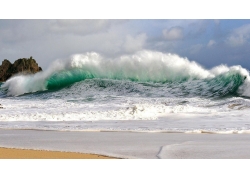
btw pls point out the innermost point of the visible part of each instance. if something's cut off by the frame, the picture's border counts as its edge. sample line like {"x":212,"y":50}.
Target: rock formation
{"x":24,"y":66}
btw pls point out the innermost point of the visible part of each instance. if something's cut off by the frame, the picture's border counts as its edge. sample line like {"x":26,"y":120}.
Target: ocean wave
{"x":176,"y":74}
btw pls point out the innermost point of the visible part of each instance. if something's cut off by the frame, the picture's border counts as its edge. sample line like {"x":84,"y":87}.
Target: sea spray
{"x":147,"y":91}
{"x":143,"y":66}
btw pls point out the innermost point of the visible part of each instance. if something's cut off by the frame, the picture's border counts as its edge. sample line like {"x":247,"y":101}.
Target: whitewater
{"x":147,"y":91}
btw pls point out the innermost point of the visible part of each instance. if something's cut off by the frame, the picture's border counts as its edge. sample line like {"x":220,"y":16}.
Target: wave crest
{"x":143,"y":66}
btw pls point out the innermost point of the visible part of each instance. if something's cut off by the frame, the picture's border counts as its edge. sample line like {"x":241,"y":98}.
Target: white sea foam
{"x":143,"y":66}
{"x":129,"y":93}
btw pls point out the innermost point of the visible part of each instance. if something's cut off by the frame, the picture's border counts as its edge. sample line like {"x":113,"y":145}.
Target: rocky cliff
{"x":24,"y":66}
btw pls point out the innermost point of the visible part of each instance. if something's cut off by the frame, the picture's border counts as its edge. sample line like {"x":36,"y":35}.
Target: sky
{"x":208,"y":42}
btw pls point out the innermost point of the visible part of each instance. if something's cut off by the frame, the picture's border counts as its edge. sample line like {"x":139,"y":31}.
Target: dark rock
{"x":24,"y":66}
{"x":5,"y":70}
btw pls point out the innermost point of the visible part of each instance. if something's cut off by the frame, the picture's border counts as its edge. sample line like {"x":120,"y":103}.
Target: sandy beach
{"x":131,"y":145}
{"x":12,"y":153}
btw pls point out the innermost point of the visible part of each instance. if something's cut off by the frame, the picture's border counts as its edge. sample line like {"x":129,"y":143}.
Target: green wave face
{"x":177,"y":75}
{"x":66,"y":77}
{"x":221,"y":85}
{"x":225,"y":84}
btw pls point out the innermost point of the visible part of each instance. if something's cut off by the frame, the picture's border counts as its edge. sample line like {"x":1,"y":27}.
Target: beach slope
{"x":129,"y":144}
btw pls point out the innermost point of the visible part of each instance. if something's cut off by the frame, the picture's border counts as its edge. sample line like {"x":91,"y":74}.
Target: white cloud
{"x":47,"y":40}
{"x":172,"y":34}
{"x":16,"y":31}
{"x":239,"y":36}
{"x":80,"y":26}
{"x":211,"y":43}
{"x":133,"y":44}
{"x":25,"y":30}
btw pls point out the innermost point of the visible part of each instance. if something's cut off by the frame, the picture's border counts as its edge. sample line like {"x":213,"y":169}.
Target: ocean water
{"x":148,"y":91}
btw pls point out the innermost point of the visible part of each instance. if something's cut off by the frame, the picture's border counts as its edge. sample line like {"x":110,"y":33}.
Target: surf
{"x":142,"y":67}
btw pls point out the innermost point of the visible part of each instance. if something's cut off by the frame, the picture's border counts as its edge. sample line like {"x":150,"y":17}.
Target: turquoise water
{"x":149,"y":91}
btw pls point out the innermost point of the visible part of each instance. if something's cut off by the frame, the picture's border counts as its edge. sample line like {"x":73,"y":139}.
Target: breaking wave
{"x":168,"y":72}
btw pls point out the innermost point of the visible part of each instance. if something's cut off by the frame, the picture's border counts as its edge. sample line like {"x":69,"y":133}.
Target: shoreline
{"x":128,"y":145}
{"x":18,"y":153}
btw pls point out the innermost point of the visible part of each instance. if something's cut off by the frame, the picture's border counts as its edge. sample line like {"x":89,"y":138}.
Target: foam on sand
{"x":133,"y":145}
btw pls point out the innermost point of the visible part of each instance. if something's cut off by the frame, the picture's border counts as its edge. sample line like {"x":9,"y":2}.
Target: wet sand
{"x":12,"y":153}
{"x":131,"y":145}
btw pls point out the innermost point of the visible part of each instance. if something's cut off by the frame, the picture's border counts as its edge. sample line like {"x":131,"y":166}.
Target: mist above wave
{"x":143,"y":66}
